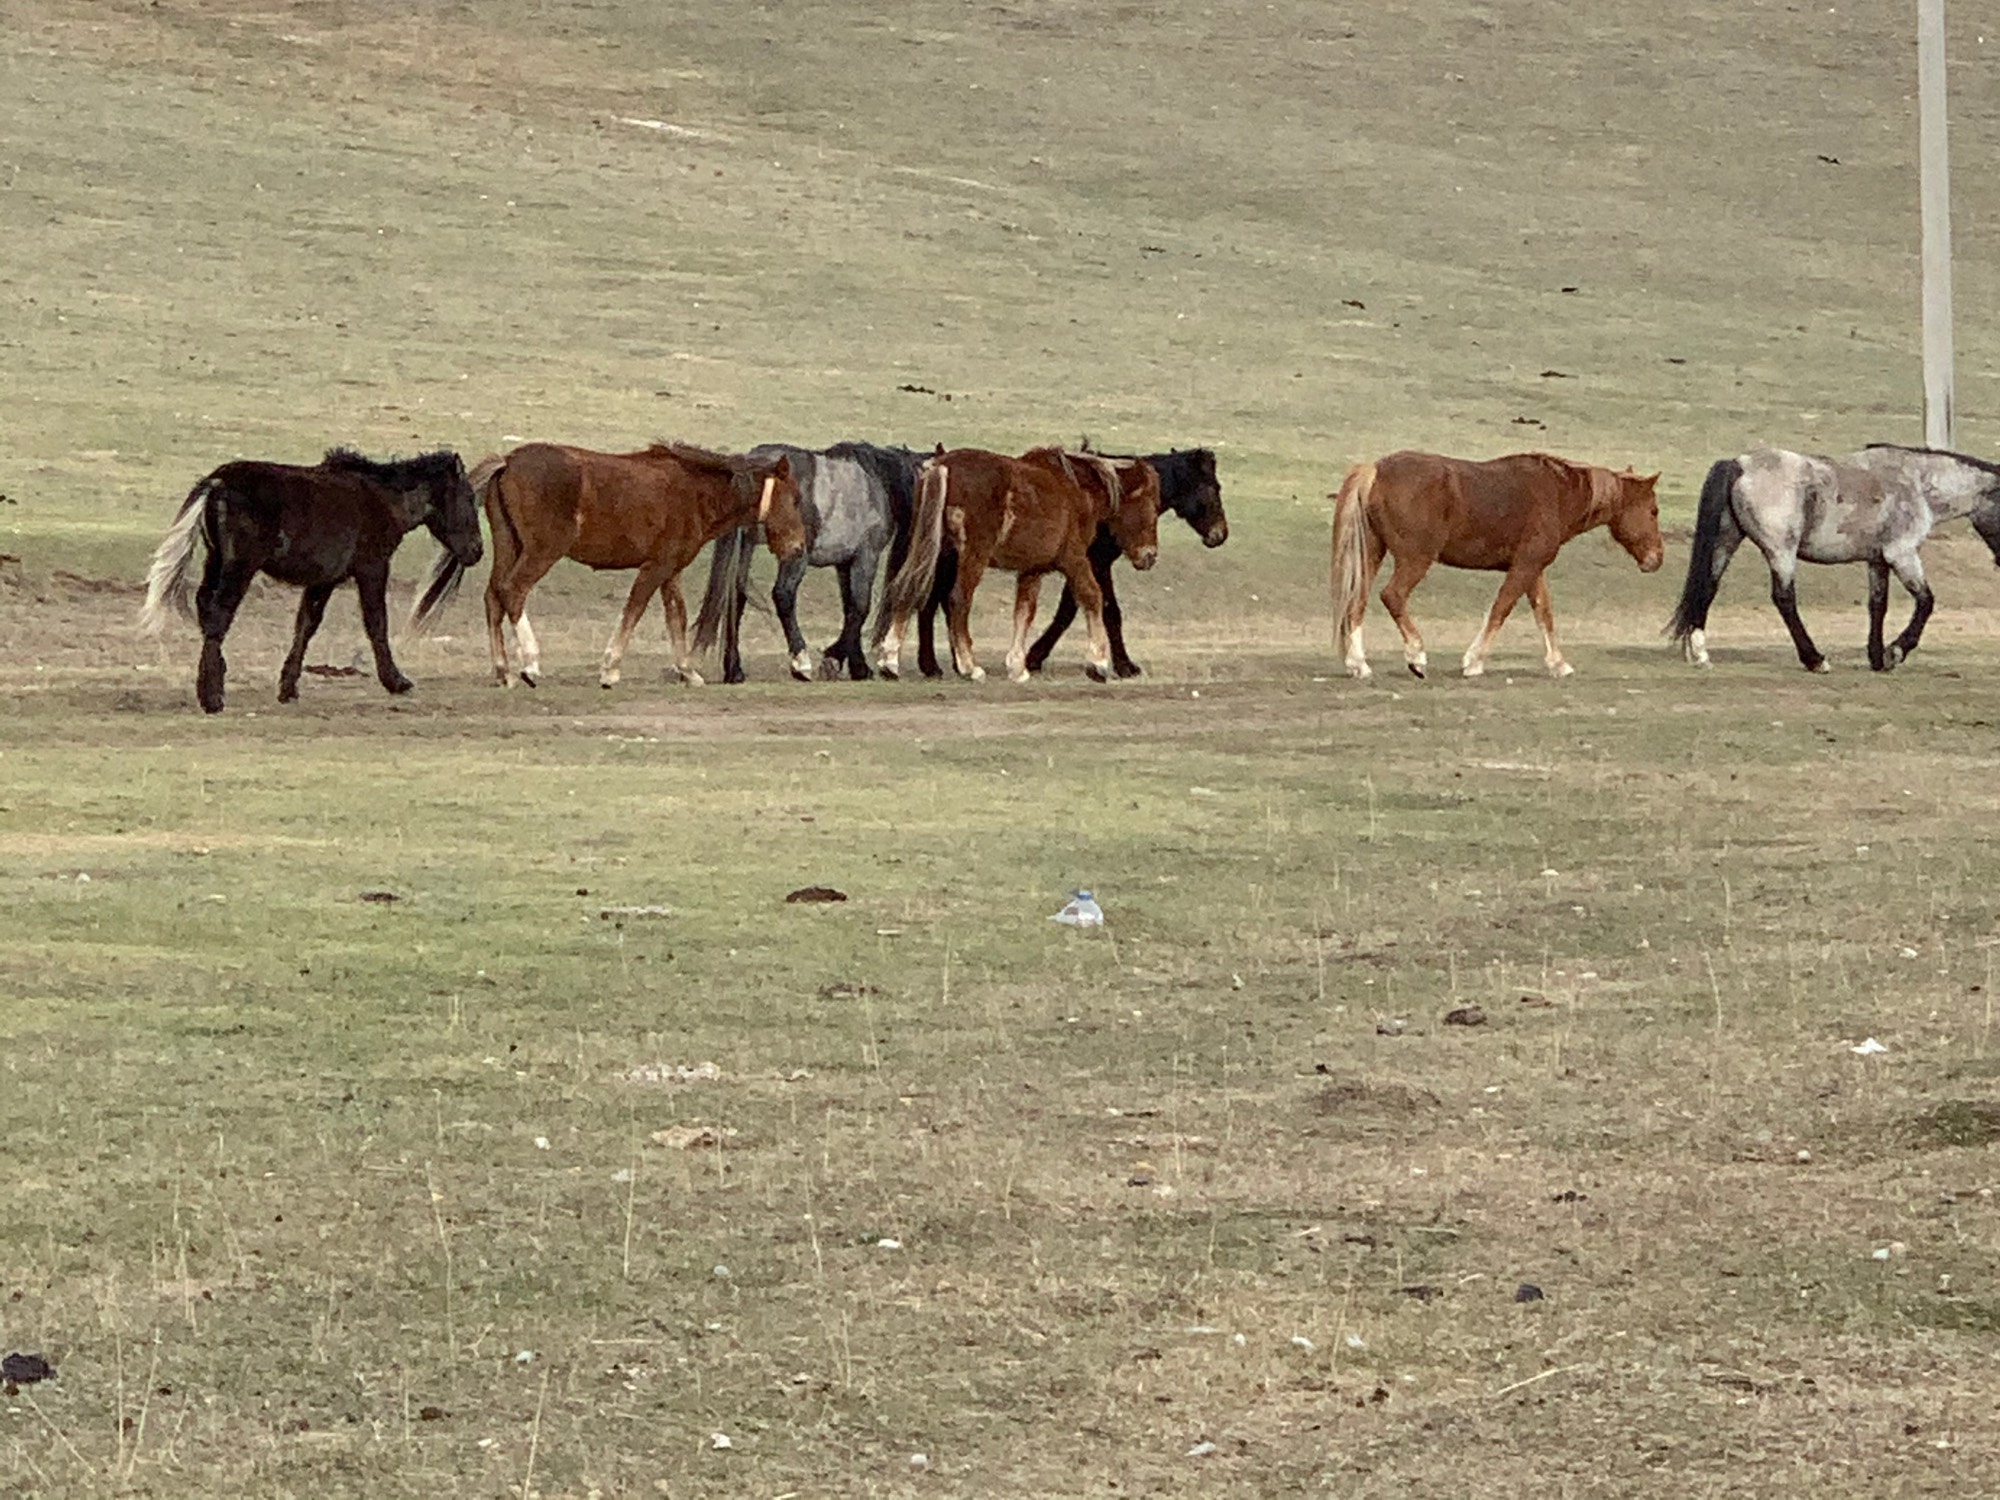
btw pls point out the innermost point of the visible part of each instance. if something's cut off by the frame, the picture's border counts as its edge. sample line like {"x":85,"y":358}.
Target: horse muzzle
{"x":1650,"y":563}
{"x":469,"y":555}
{"x":1145,"y":557}
{"x":1216,"y":535}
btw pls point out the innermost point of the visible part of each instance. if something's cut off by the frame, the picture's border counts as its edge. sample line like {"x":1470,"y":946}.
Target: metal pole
{"x":1935,"y":191}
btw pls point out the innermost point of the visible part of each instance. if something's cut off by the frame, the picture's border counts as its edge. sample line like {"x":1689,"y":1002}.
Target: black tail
{"x":728,"y":587}
{"x":440,"y":587}
{"x":1691,"y":614}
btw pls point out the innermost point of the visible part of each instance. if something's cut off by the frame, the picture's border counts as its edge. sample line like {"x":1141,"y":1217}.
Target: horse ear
{"x":783,"y":468}
{"x":1652,"y":479}
{"x":940,"y":451}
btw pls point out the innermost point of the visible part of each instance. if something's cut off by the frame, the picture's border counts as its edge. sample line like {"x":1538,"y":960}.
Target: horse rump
{"x":1698,"y":593}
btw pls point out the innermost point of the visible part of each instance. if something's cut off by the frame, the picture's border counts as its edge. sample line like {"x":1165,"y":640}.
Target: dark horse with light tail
{"x":856,"y":500}
{"x":1188,"y":488}
{"x":315,"y":526}
{"x":1876,"y":506}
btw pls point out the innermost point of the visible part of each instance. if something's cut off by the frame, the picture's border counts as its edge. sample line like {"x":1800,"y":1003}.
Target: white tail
{"x":170,"y":577}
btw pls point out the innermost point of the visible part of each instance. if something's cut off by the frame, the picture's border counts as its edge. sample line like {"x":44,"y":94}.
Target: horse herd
{"x":942,"y":519}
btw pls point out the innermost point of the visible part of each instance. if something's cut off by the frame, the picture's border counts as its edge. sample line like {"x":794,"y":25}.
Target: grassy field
{"x":439,"y":1096}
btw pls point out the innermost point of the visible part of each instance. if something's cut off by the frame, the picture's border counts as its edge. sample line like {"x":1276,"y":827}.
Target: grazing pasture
{"x":438,"y":1095}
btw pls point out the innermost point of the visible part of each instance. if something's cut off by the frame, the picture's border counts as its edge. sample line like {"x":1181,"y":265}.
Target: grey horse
{"x":856,"y":499}
{"x":1876,"y":506}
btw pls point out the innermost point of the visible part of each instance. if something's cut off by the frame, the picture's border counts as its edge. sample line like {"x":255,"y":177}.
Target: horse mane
{"x":394,"y":471}
{"x":1964,"y":458}
{"x":744,"y":472}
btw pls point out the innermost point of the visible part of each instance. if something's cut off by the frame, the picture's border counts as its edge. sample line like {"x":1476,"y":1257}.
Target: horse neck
{"x":1953,"y":489}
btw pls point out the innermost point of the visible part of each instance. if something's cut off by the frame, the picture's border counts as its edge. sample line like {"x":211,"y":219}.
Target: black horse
{"x":1188,"y":488}
{"x":316,"y":527}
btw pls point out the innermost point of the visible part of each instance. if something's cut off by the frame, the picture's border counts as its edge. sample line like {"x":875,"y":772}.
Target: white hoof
{"x":887,"y":667}
{"x":1360,"y":671}
{"x":802,"y":665}
{"x":1560,"y":670}
{"x":977,"y":674}
{"x":1824,"y":666}
{"x":693,"y":678}
{"x":608,"y":679}
{"x":1475,"y":669}
{"x":532,"y":676}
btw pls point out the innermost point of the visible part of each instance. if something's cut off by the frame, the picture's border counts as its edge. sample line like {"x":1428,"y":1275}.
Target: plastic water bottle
{"x":1081,"y":910}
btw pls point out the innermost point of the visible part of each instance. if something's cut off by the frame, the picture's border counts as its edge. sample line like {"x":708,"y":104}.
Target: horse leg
{"x":312,"y":607}
{"x":785,"y":598}
{"x":1059,"y":622}
{"x":1545,"y":616}
{"x":1027,"y":593}
{"x":496,"y":640}
{"x":644,"y":587}
{"x":373,"y":585}
{"x":1098,"y":666}
{"x":1517,"y":582}
{"x":857,"y":588}
{"x":507,"y":606}
{"x":958,"y":617}
{"x":1878,"y":611}
{"x":1403,"y":579}
{"x":1114,"y":621}
{"x":1726,"y":543}
{"x":1910,"y":570}
{"x":1785,"y":595}
{"x":947,"y":577}
{"x":677,"y":629}
{"x":215,"y":605}
{"x":1372,"y":552}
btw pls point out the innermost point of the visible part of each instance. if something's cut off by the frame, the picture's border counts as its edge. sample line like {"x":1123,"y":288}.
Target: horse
{"x":315,"y":526}
{"x":653,"y":510}
{"x":1188,"y":488}
{"x":1030,"y":515}
{"x":856,"y":500}
{"x":1875,"y":506}
{"x":1508,"y":515}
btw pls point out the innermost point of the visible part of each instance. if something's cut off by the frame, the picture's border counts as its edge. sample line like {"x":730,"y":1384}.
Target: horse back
{"x":1477,"y":513}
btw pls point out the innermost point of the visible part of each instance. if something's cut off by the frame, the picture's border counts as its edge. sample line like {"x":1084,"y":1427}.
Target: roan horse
{"x":315,"y":526}
{"x":856,"y":500}
{"x":1031,"y":515}
{"x":1508,"y":515}
{"x":653,"y":510}
{"x":1188,"y":488}
{"x":1876,"y":506}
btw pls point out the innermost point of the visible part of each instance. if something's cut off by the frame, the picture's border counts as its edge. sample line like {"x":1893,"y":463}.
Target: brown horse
{"x":653,"y":510}
{"x":1508,"y":515}
{"x":1030,"y":516}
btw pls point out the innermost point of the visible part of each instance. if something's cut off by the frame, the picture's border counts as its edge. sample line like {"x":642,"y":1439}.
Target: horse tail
{"x":910,"y":588}
{"x":1717,"y":492}
{"x":170,"y":576}
{"x":484,"y":477}
{"x":440,"y":584}
{"x":728,"y":587}
{"x":1350,"y":547}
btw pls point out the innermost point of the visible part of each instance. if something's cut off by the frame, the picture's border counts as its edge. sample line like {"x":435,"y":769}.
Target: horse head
{"x":778,"y":511}
{"x":1201,"y":503}
{"x":1635,"y":517}
{"x":453,"y":514}
{"x":1135,"y":521}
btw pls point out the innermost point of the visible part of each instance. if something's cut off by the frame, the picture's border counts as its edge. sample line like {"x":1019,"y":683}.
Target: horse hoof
{"x":1561,"y":670}
{"x":1360,"y":671}
{"x":889,"y":671}
{"x":1416,"y":669}
{"x":1894,"y":659}
{"x":532,"y":677}
{"x":604,"y":679}
{"x":693,"y":678}
{"x":397,"y":685}
{"x":1475,"y":669}
{"x":288,"y":694}
{"x":1095,"y":673}
{"x":1822,"y":666}
{"x":211,"y":707}
{"x":734,"y":679}
{"x":802,"y":666}
{"x":976,"y":674}
{"x":1127,"y":669}
{"x":858,"y":670}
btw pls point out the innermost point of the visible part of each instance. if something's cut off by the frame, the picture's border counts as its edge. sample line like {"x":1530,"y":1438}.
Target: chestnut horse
{"x":1508,"y":515}
{"x":653,"y":510}
{"x":1032,"y":515}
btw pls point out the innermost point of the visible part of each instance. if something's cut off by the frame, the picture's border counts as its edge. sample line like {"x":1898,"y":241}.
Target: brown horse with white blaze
{"x":1507,"y":515}
{"x":653,"y":510}
{"x":1031,"y":516}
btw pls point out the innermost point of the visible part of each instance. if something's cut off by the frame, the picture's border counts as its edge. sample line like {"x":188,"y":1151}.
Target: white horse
{"x":1876,"y":506}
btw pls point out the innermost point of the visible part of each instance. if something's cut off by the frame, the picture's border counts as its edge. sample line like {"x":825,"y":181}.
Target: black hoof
{"x":399,"y":685}
{"x":1095,"y":673}
{"x":1127,"y":669}
{"x":1415,"y":671}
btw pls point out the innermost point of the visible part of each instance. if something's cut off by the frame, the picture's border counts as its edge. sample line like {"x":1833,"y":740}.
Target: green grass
{"x":297,"y":1176}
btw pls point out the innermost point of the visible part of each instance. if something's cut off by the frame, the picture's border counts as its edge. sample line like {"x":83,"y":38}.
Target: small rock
{"x":814,"y":894}
{"x":1527,"y":1291}
{"x":719,"y":1440}
{"x":920,"y":1460}
{"x":1465,"y":1015}
{"x":1201,"y":1450}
